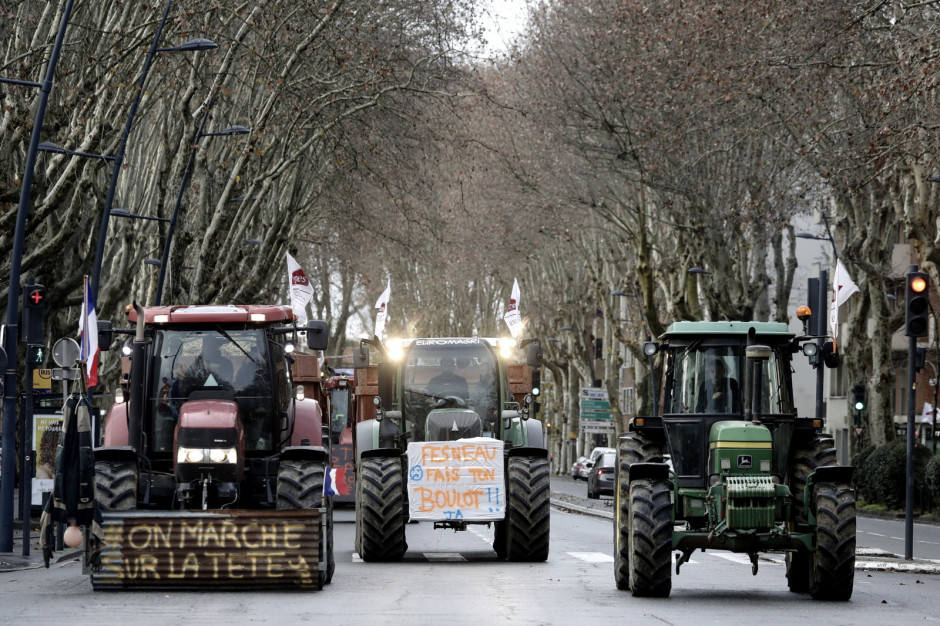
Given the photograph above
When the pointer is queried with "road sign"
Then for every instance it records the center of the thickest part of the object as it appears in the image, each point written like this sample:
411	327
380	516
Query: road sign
594	404
596	426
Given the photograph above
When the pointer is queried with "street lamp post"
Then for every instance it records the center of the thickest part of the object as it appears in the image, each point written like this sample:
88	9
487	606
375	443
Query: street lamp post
10	332
231	130
192	45
820	329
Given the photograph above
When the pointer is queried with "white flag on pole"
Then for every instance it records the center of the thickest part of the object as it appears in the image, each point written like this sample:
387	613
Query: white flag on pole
842	288
513	315
301	291
382	306
927	416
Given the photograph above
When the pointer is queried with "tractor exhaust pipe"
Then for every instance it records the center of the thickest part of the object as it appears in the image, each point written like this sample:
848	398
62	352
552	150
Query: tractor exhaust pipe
135	409
756	355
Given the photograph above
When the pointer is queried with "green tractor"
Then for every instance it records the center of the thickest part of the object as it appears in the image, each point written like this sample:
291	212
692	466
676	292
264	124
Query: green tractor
747	474
444	434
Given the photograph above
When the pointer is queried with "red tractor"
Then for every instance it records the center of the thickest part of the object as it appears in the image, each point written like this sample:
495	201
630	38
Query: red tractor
213	465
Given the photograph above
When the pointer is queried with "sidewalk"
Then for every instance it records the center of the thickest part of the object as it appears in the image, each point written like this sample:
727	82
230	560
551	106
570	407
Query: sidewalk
15	561
866	559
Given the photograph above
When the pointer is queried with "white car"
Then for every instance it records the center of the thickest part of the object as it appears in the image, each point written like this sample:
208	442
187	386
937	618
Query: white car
587	465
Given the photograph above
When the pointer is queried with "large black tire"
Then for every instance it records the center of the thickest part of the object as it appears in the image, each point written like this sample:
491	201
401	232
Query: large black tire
832	575
380	509
528	509
300	486
798	571
805	458
116	485
650	535
634	448
499	539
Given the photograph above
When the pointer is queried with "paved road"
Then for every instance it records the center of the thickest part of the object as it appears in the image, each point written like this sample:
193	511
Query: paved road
872	532
455	578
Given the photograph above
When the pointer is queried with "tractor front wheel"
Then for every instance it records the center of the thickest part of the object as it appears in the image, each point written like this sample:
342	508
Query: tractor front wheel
634	448
116	485
380	509
650	538
805	459
528	509
832	574
300	486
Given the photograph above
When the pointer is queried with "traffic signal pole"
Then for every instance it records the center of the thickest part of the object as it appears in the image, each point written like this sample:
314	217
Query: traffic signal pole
916	313
10	330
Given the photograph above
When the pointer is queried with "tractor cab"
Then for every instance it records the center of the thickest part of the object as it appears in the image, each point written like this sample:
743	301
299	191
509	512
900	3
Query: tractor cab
451	389
711	377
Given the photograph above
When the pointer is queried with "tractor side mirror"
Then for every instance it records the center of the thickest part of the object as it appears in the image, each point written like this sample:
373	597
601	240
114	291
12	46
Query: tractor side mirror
318	334
361	357
534	355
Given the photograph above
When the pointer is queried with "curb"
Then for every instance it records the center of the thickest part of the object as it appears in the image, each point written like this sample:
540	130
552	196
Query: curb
866	559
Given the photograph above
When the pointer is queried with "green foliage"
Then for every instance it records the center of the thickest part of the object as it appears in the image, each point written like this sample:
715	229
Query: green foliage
881	474
932	477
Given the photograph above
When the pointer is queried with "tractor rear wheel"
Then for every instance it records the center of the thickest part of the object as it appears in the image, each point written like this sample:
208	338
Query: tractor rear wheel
805	458
528	509
300	486
634	448
798	571
380	509
832	574
650	537
116	485
499	539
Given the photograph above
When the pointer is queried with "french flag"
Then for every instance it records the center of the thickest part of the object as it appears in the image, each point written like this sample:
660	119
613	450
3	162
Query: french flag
88	335
335	483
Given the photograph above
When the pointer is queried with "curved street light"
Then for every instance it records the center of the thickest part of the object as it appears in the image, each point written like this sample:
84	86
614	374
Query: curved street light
187	173
192	45
16	258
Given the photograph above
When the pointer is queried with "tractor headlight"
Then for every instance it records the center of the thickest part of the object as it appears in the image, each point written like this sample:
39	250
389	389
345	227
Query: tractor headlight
207	455
506	347
725	464
765	466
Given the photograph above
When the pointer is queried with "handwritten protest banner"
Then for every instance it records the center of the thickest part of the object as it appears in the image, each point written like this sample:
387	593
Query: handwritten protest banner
456	480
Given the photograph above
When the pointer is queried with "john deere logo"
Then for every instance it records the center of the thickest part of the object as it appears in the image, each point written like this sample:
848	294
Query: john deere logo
744	461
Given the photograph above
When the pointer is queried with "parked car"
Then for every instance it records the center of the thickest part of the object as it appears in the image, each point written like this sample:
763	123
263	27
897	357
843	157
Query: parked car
576	467
595	454
600	480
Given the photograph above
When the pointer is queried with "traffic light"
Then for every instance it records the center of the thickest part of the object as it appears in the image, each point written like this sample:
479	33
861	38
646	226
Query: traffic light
34	309
35	355
859	392
915	317
858	403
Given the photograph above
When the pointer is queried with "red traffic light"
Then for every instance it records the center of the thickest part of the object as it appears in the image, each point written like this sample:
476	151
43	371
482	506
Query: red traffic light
37	296
918	284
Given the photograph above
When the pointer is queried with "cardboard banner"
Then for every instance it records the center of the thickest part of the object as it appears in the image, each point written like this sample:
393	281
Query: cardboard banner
456	480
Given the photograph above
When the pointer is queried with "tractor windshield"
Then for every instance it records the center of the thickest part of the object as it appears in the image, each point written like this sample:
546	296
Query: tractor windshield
234	363
706	379
454	373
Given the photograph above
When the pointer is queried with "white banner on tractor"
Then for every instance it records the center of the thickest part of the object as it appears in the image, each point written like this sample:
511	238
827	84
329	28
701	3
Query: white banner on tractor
513	315
456	480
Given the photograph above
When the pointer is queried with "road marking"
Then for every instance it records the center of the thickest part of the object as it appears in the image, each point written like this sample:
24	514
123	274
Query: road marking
592	557
447	557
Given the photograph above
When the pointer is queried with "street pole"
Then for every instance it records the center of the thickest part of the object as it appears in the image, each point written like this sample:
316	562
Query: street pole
165	260
821	333
13	286
911	399
119	158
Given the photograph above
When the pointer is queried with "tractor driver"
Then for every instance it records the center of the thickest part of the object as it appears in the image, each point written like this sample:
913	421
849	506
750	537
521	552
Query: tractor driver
447	383
718	393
